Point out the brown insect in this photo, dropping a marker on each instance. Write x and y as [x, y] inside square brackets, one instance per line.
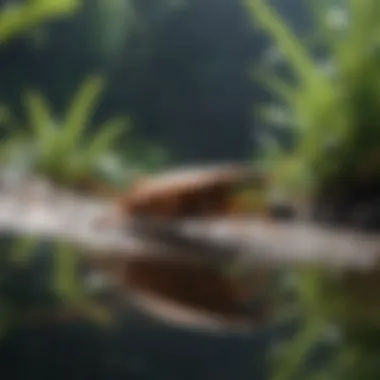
[191, 192]
[192, 282]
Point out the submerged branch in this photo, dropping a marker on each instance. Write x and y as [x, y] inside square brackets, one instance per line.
[256, 241]
[40, 210]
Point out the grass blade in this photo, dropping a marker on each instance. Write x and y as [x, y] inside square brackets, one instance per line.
[81, 110]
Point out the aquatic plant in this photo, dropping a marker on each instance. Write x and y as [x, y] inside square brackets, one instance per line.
[22, 259]
[332, 112]
[19, 18]
[62, 150]
[331, 108]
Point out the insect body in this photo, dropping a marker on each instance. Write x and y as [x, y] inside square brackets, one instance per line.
[190, 192]
[156, 203]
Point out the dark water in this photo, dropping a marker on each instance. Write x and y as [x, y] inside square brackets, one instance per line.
[136, 350]
[134, 346]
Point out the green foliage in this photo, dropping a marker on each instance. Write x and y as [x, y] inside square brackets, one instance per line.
[62, 150]
[35, 277]
[69, 287]
[17, 19]
[64, 153]
[332, 115]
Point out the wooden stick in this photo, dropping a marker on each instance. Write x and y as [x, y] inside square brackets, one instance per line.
[38, 209]
[253, 241]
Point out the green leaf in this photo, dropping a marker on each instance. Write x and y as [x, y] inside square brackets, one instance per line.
[109, 133]
[276, 116]
[286, 41]
[19, 18]
[81, 110]
[283, 90]
[298, 350]
[38, 114]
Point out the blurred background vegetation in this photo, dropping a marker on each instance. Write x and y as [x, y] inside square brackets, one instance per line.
[92, 93]
[95, 91]
[176, 74]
